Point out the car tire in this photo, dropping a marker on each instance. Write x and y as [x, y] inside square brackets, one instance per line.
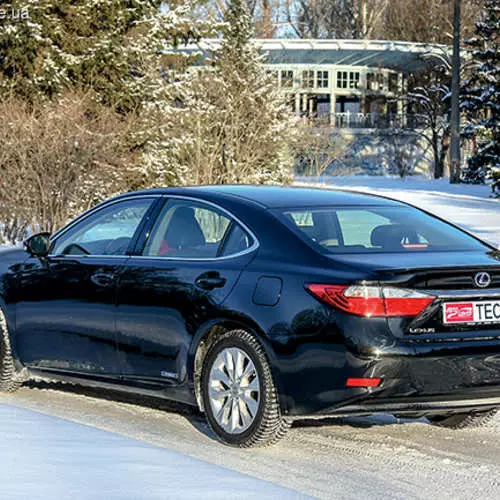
[463, 420]
[239, 395]
[9, 381]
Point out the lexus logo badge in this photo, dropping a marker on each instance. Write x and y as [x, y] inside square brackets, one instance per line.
[482, 280]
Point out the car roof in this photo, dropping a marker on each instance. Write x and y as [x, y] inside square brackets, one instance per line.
[281, 196]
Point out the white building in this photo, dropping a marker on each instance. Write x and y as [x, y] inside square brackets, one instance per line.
[346, 83]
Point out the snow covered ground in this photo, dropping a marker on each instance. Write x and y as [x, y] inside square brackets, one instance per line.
[468, 206]
[47, 458]
[377, 458]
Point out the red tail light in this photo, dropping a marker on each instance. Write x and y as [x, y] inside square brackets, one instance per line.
[363, 382]
[372, 301]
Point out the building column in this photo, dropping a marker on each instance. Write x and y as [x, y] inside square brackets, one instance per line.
[401, 104]
[362, 104]
[297, 104]
[333, 108]
[304, 103]
[363, 82]
[400, 93]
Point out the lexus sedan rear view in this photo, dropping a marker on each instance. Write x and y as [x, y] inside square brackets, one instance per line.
[260, 305]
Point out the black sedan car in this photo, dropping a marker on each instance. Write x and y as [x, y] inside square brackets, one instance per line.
[260, 305]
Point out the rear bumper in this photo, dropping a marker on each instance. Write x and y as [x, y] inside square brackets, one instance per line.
[419, 381]
[416, 406]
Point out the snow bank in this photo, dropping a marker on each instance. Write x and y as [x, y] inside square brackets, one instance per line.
[44, 457]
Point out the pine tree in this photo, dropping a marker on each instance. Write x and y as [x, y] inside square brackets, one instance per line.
[253, 114]
[114, 47]
[481, 100]
[28, 57]
[85, 79]
[229, 123]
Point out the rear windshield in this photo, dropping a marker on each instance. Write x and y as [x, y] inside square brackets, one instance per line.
[376, 230]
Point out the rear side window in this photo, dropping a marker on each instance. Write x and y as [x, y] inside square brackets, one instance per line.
[237, 241]
[376, 230]
[188, 230]
[193, 230]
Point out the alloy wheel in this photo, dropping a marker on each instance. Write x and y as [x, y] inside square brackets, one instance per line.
[234, 390]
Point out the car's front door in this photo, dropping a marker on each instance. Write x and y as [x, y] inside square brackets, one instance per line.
[190, 262]
[66, 303]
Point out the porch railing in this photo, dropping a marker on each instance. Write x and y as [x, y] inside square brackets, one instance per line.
[371, 120]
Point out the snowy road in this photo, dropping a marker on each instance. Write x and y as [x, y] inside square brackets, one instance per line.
[355, 458]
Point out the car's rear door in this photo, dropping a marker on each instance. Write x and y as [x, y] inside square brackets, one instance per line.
[190, 261]
[66, 302]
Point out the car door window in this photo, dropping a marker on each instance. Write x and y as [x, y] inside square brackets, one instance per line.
[237, 241]
[108, 231]
[188, 230]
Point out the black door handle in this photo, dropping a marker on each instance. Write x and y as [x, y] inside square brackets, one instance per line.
[102, 279]
[210, 281]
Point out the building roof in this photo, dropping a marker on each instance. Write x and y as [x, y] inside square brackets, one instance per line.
[399, 56]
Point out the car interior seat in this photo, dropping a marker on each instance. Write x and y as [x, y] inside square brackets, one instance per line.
[393, 236]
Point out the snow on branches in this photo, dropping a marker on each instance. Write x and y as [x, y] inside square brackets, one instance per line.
[223, 122]
[481, 100]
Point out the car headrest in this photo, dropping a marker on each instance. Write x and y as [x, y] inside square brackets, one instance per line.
[393, 236]
[184, 230]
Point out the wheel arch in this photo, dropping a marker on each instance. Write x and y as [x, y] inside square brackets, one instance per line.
[207, 335]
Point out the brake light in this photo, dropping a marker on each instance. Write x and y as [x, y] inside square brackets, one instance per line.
[373, 301]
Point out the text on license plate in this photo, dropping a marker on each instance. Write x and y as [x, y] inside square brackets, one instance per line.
[472, 312]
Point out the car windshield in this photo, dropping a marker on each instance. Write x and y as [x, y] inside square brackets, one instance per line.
[376, 230]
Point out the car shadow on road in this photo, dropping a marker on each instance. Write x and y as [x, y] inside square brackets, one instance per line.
[190, 413]
[376, 420]
[196, 418]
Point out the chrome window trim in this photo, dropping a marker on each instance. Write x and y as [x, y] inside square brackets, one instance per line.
[88, 214]
[73, 257]
[254, 246]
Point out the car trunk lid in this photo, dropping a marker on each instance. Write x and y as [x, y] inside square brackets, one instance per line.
[452, 278]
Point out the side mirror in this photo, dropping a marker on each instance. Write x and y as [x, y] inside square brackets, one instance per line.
[38, 244]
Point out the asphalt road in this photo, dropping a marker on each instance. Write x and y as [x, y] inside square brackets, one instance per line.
[377, 457]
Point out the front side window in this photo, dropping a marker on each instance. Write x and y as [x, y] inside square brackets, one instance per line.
[376, 230]
[192, 230]
[108, 231]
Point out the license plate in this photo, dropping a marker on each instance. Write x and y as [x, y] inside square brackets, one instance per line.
[487, 311]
